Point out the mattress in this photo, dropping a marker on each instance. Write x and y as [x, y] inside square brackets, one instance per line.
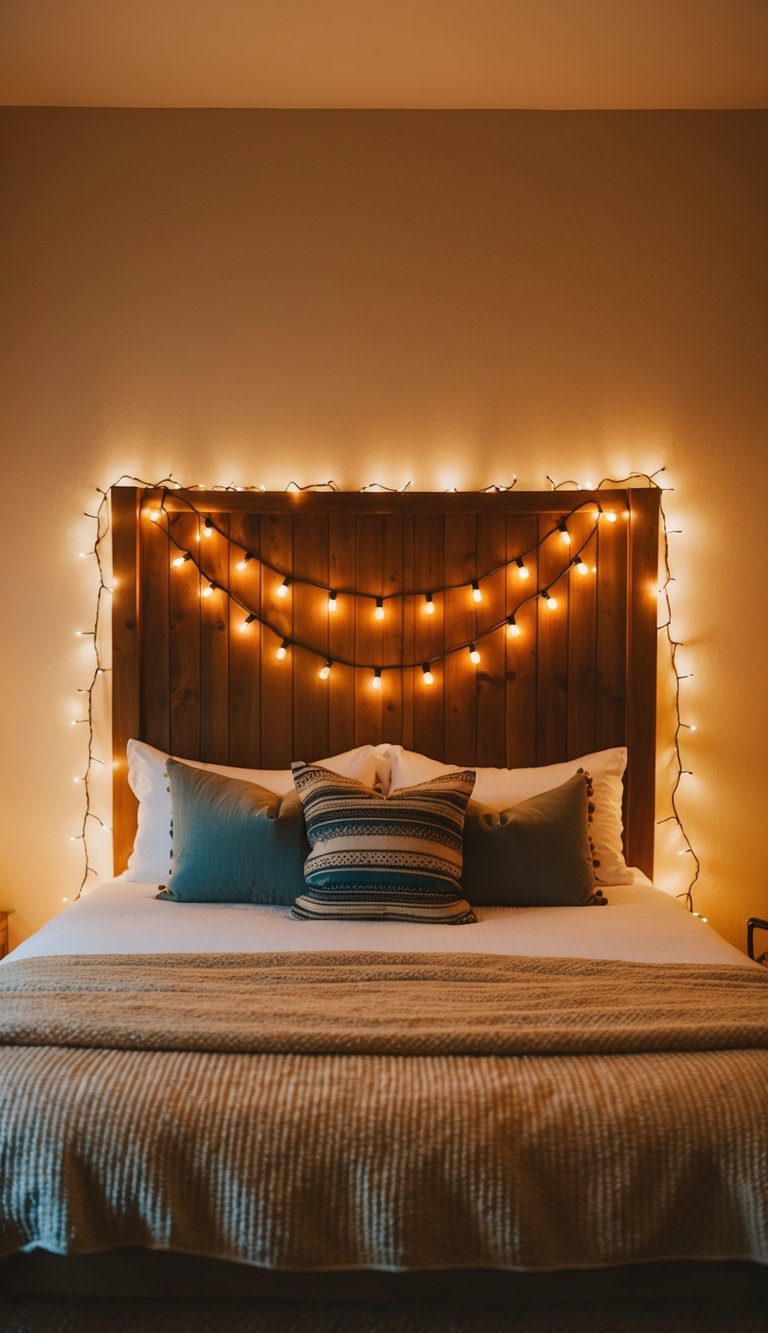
[640, 923]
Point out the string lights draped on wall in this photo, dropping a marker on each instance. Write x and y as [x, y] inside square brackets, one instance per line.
[289, 578]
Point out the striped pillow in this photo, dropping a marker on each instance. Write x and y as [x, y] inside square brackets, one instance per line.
[373, 857]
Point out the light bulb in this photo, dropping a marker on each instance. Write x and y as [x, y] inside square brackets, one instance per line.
[514, 629]
[282, 650]
[379, 612]
[474, 655]
[332, 603]
[325, 670]
[181, 560]
[477, 596]
[376, 682]
[608, 515]
[580, 565]
[427, 676]
[206, 592]
[429, 605]
[549, 599]
[249, 619]
[241, 564]
[565, 535]
[282, 591]
[522, 569]
[154, 515]
[208, 527]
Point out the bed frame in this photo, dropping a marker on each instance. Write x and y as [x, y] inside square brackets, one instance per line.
[578, 678]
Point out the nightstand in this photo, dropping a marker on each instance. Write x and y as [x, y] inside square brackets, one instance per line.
[4, 933]
[756, 923]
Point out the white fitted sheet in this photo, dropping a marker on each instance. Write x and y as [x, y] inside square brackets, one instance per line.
[640, 923]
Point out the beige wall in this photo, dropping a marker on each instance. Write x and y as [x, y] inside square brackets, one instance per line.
[449, 298]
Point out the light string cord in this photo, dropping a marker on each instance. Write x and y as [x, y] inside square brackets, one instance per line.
[305, 580]
[666, 628]
[258, 618]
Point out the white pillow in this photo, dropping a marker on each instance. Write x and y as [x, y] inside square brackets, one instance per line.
[502, 787]
[150, 860]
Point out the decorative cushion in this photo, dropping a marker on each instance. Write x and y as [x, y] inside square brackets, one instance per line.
[374, 857]
[233, 841]
[501, 788]
[537, 853]
[149, 862]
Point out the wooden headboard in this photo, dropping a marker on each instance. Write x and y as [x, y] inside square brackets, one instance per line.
[189, 679]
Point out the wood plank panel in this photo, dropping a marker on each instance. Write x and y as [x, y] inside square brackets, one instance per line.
[460, 563]
[368, 637]
[184, 645]
[342, 538]
[582, 630]
[244, 645]
[408, 680]
[522, 684]
[391, 627]
[611, 655]
[491, 675]
[277, 740]
[157, 552]
[429, 633]
[214, 647]
[552, 665]
[126, 676]
[313, 698]
[640, 725]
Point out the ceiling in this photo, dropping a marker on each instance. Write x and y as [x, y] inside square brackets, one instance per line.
[538, 54]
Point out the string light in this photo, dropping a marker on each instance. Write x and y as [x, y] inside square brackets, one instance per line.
[609, 515]
[474, 655]
[282, 650]
[477, 596]
[249, 619]
[580, 566]
[376, 682]
[171, 484]
[242, 564]
[209, 591]
[514, 629]
[549, 600]
[565, 535]
[282, 590]
[181, 560]
[379, 611]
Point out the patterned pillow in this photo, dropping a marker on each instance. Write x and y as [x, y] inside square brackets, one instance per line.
[373, 857]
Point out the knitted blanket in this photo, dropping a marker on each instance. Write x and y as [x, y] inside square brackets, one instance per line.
[386, 1111]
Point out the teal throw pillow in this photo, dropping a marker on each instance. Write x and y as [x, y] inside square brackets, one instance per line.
[233, 841]
[534, 854]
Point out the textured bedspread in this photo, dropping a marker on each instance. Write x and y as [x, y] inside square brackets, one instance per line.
[385, 1110]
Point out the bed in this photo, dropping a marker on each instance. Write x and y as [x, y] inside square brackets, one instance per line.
[552, 1115]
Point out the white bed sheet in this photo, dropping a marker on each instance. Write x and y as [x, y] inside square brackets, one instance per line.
[640, 923]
